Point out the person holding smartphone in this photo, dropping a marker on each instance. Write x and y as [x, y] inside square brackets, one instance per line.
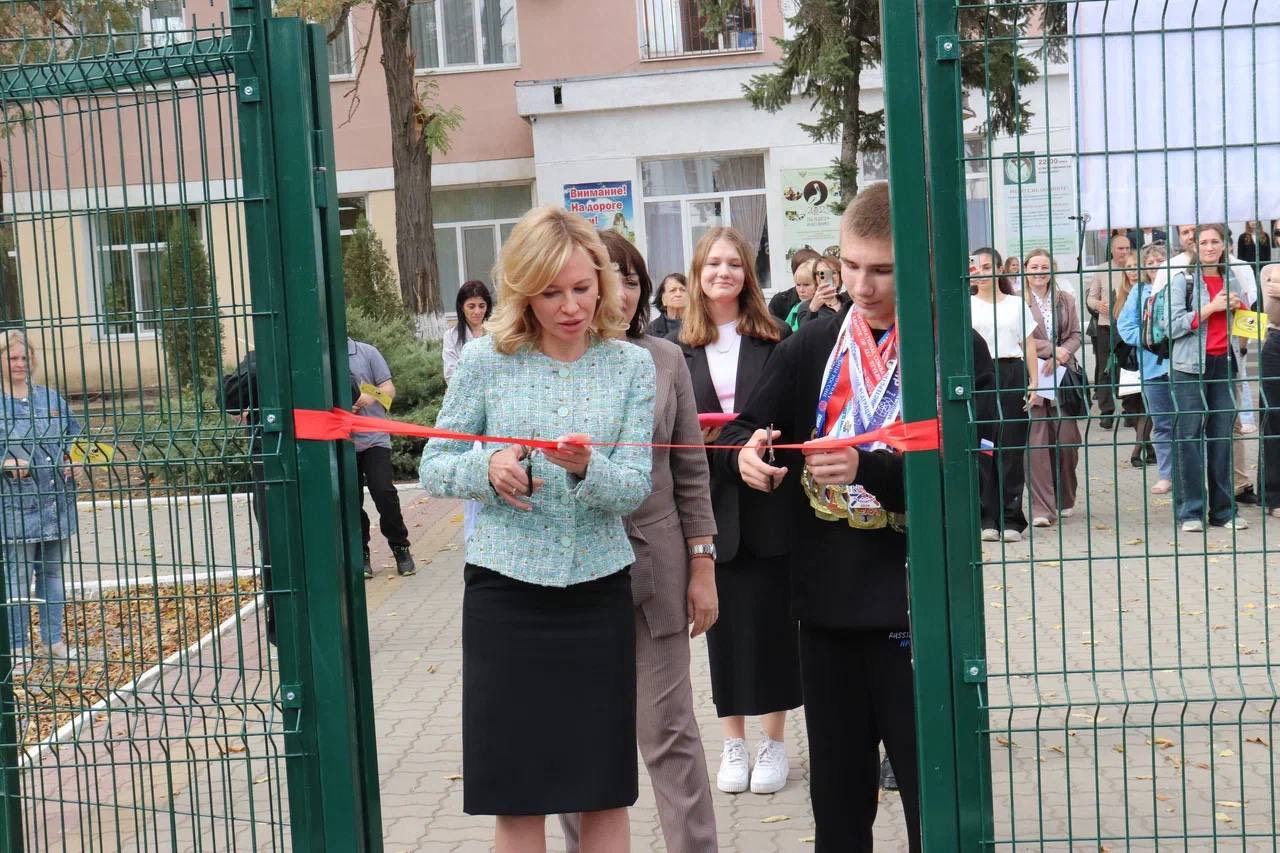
[828, 297]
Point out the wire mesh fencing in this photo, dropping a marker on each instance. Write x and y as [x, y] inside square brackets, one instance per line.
[1111, 477]
[140, 680]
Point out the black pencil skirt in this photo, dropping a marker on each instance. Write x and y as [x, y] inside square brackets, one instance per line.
[548, 695]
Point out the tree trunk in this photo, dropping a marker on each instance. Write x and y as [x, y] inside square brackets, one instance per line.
[849, 131]
[411, 164]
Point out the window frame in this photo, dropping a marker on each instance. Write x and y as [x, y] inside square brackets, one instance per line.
[460, 248]
[349, 32]
[643, 40]
[101, 329]
[723, 196]
[150, 24]
[473, 67]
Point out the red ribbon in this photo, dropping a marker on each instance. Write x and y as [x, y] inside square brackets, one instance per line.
[313, 425]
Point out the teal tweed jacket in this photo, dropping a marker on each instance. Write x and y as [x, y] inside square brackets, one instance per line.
[574, 533]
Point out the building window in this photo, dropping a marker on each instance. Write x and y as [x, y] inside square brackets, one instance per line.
[164, 22]
[686, 198]
[341, 54]
[471, 226]
[10, 282]
[875, 166]
[672, 28]
[129, 248]
[457, 34]
[351, 209]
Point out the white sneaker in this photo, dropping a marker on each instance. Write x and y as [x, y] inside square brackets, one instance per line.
[734, 774]
[772, 767]
[990, 534]
[1012, 535]
[1067, 513]
[1040, 521]
[62, 651]
[1236, 523]
[1195, 525]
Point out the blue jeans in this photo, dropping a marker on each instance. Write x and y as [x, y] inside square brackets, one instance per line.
[44, 559]
[1205, 412]
[1160, 409]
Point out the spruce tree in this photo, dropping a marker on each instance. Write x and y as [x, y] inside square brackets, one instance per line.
[368, 279]
[189, 326]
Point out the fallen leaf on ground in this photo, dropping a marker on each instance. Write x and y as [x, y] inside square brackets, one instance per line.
[774, 818]
[453, 777]
[1222, 816]
[1229, 804]
[1259, 741]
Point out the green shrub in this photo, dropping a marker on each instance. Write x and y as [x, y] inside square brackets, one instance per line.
[369, 281]
[190, 329]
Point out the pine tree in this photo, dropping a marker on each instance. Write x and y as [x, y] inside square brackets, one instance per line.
[368, 280]
[835, 41]
[189, 324]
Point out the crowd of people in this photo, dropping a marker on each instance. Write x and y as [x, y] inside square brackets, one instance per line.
[1167, 361]
[592, 565]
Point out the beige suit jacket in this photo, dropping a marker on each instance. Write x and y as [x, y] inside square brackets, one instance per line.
[679, 507]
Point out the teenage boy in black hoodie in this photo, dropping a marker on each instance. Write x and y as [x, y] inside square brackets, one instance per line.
[838, 376]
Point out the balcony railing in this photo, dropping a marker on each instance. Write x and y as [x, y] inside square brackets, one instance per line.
[673, 28]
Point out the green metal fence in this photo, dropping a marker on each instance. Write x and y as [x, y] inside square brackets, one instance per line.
[1109, 681]
[169, 207]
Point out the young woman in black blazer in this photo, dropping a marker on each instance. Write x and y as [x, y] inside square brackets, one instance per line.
[727, 337]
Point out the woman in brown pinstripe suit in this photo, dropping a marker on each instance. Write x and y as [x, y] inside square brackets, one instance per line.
[672, 584]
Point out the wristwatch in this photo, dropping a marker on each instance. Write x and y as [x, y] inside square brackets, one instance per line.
[707, 550]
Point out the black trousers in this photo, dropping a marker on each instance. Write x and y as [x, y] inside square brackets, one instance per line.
[374, 465]
[858, 693]
[1269, 403]
[1103, 382]
[1003, 476]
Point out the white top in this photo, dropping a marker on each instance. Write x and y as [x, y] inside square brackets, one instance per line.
[451, 351]
[722, 359]
[1005, 325]
[1242, 270]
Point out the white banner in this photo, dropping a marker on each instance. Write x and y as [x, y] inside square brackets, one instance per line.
[1177, 110]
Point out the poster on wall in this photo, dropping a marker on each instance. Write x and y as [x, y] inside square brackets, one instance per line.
[605, 204]
[1039, 191]
[809, 220]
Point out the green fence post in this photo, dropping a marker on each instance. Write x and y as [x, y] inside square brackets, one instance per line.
[922, 104]
[327, 743]
[348, 478]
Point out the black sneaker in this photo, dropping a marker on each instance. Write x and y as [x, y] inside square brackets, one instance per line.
[1248, 497]
[404, 562]
[1107, 423]
[368, 566]
[888, 781]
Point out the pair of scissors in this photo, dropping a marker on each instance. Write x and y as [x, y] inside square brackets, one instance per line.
[770, 457]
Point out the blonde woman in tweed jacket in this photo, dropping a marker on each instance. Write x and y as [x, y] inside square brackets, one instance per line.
[548, 633]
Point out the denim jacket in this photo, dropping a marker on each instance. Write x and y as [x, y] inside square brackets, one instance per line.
[1187, 336]
[38, 430]
[1129, 325]
[575, 532]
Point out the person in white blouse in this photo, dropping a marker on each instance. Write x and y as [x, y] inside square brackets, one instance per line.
[1007, 325]
[474, 306]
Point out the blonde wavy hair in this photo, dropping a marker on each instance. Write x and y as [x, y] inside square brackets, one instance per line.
[8, 338]
[754, 319]
[536, 252]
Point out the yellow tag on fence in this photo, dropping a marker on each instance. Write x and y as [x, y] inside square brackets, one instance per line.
[90, 452]
[1249, 324]
[380, 396]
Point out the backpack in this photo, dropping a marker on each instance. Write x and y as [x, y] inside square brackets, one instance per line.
[1155, 319]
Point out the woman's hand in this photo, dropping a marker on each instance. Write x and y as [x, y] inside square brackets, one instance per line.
[1050, 365]
[16, 467]
[831, 466]
[753, 470]
[710, 434]
[1033, 400]
[571, 453]
[1062, 354]
[1237, 304]
[701, 599]
[1216, 305]
[510, 479]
